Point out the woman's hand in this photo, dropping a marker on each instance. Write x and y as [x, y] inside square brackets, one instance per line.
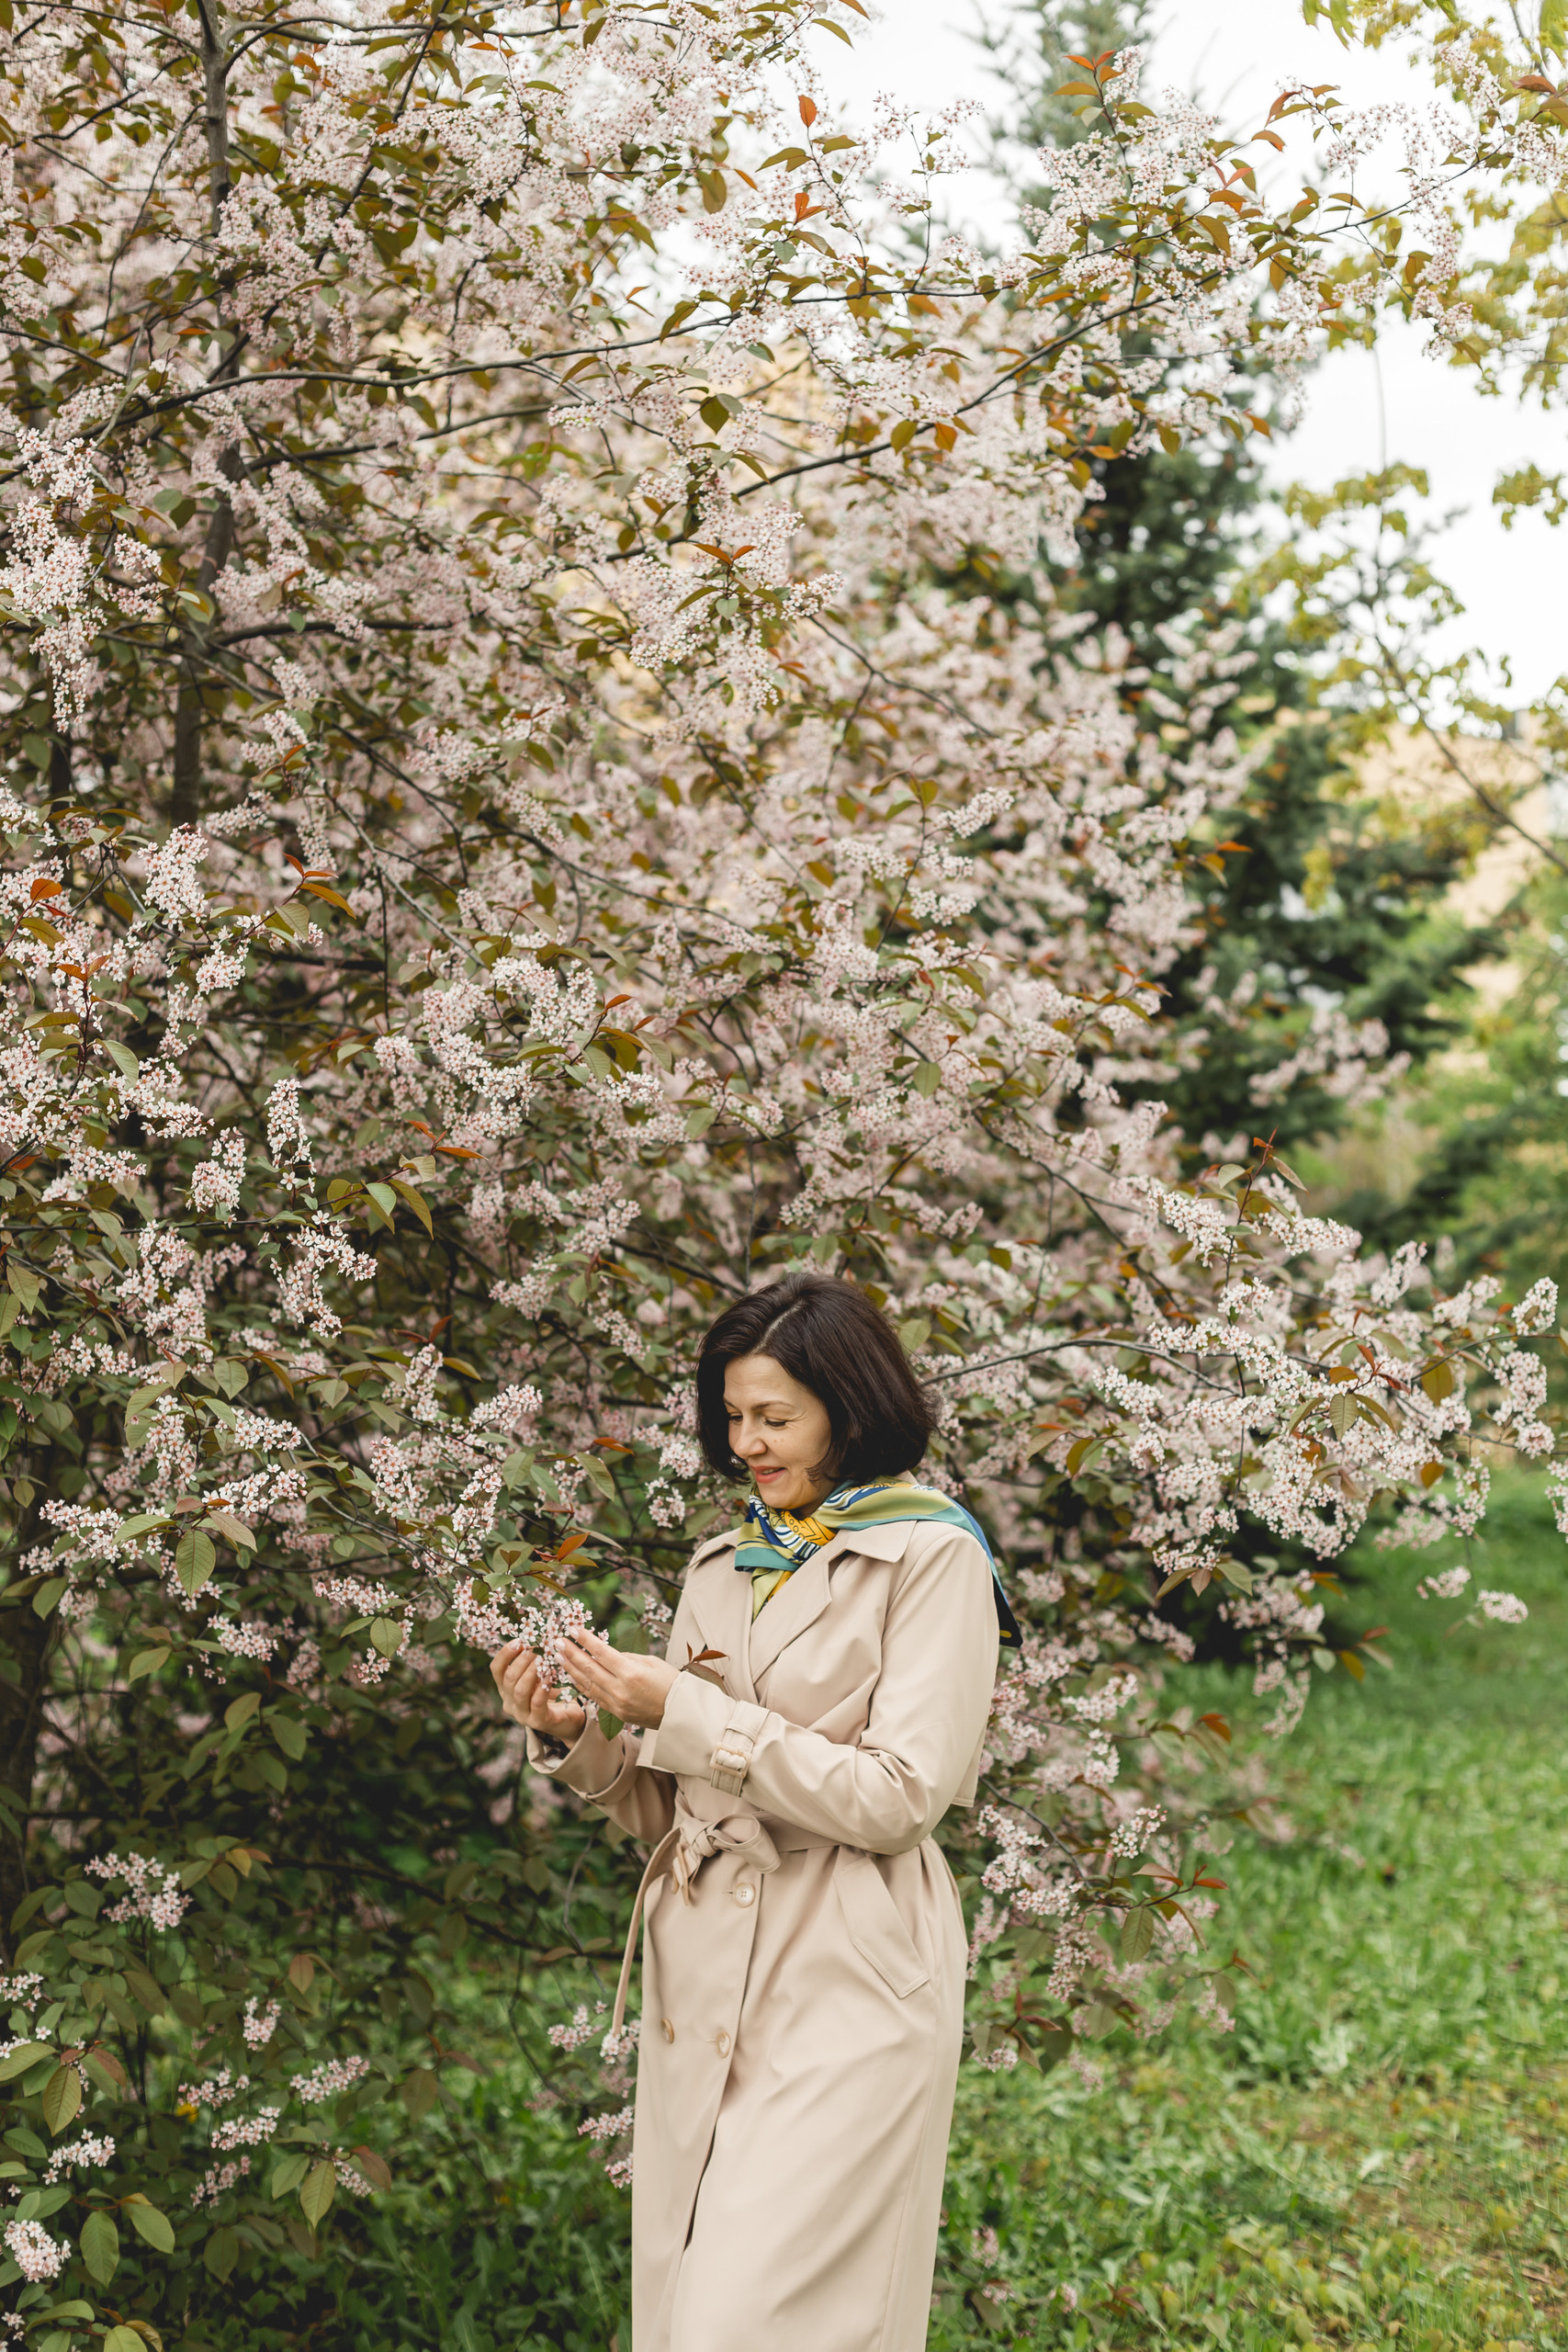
[625, 1684]
[528, 1699]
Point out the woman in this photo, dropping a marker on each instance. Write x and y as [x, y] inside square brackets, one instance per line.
[823, 1702]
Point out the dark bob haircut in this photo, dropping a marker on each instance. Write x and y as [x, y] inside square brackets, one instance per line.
[828, 1336]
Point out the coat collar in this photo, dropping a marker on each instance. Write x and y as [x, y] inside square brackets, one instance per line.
[723, 1608]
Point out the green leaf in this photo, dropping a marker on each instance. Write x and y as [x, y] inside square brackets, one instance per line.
[1437, 1380]
[62, 2099]
[1342, 1413]
[142, 1524]
[103, 2068]
[196, 1557]
[220, 2254]
[124, 1060]
[240, 1714]
[598, 1474]
[147, 1662]
[1138, 1935]
[1098, 2018]
[416, 1202]
[290, 2173]
[928, 1077]
[1055, 2044]
[320, 2188]
[26, 2054]
[233, 1530]
[290, 1734]
[384, 1197]
[100, 2247]
[149, 2223]
[124, 2339]
[148, 1991]
[23, 1283]
[387, 1632]
[38, 2204]
[699, 1121]
[46, 1598]
[420, 2091]
[714, 413]
[609, 1724]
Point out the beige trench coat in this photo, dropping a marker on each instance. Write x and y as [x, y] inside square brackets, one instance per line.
[804, 1951]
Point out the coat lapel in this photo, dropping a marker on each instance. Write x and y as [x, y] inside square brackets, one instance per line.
[796, 1603]
[720, 1599]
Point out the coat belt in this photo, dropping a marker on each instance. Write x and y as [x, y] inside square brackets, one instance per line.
[682, 1852]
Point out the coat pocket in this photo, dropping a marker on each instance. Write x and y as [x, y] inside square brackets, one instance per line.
[876, 1932]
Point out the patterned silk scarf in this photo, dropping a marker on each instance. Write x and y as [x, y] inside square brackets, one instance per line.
[782, 1541]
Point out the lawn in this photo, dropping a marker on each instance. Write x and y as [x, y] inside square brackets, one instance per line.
[1377, 2155]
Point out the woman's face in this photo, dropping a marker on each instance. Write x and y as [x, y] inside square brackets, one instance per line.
[779, 1429]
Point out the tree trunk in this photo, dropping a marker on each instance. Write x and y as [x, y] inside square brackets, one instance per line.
[184, 804]
[25, 1640]
[215, 72]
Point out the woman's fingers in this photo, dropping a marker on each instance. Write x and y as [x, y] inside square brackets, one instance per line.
[589, 1673]
[501, 1659]
[516, 1672]
[520, 1676]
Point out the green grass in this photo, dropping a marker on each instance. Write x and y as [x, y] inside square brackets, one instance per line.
[1377, 2155]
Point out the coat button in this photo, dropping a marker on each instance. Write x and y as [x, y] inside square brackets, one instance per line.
[724, 2045]
[745, 1892]
[665, 2029]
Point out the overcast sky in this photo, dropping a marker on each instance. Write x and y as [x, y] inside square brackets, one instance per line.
[1424, 413]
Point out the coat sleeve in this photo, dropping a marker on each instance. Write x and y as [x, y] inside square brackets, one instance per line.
[927, 1715]
[609, 1772]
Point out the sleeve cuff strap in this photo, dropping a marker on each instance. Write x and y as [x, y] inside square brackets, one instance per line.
[731, 1758]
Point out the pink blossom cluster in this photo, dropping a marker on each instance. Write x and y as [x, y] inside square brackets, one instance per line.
[260, 2023]
[330, 2079]
[88, 2150]
[218, 2089]
[247, 2131]
[35, 2253]
[219, 2178]
[581, 2029]
[154, 1891]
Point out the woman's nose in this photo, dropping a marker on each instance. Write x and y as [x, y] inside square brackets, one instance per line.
[754, 1441]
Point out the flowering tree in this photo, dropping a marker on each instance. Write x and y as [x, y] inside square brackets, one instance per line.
[524, 818]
